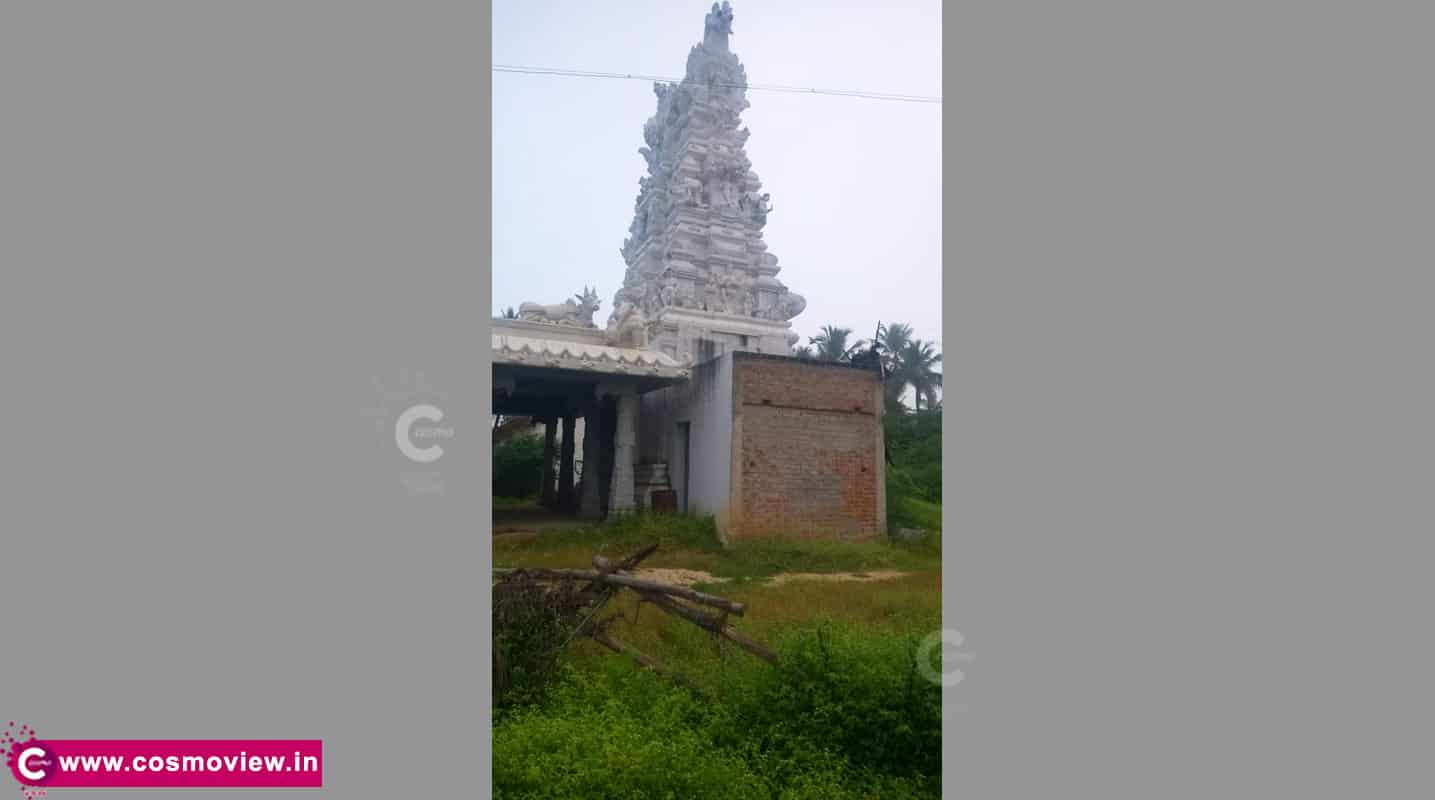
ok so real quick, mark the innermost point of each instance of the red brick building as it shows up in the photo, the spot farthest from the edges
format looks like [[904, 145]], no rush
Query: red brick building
[[773, 445]]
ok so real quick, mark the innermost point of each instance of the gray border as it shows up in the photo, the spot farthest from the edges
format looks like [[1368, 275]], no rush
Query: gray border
[[220, 225], [956, 732], [483, 471], [1189, 397]]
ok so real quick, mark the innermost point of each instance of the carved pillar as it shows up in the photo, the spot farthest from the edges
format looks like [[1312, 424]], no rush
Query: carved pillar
[[625, 452], [548, 497], [565, 466], [590, 505]]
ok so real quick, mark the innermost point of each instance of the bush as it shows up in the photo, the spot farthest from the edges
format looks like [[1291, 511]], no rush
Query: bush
[[914, 442], [518, 467], [532, 624], [584, 745], [914, 476], [671, 530], [846, 716], [900, 483], [857, 693]]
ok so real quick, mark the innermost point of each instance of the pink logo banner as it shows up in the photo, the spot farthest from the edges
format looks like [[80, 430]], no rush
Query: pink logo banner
[[167, 763]]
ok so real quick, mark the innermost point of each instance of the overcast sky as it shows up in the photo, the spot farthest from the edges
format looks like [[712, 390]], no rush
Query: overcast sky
[[855, 183]]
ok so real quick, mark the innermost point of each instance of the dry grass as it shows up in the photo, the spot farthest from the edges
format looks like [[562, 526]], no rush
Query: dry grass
[[691, 543], [888, 587], [912, 599], [910, 603]]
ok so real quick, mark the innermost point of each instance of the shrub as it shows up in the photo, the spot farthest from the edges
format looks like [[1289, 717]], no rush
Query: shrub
[[532, 624], [585, 745], [914, 442], [857, 693], [518, 467], [622, 733], [846, 716], [671, 530]]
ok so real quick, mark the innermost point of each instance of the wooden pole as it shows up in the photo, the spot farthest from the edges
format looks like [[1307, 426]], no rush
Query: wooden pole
[[709, 623], [639, 584]]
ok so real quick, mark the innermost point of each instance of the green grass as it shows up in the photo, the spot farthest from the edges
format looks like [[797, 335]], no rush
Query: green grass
[[913, 512], [846, 716], [678, 536], [692, 543], [842, 718]]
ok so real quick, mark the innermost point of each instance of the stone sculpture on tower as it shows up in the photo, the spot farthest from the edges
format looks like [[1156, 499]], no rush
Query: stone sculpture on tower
[[699, 279]]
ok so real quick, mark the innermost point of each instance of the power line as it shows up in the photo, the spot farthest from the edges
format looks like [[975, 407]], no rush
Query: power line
[[574, 73]]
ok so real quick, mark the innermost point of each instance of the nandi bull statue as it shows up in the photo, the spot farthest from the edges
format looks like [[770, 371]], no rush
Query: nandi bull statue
[[578, 314]]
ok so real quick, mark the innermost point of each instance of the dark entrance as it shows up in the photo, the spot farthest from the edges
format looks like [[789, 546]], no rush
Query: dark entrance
[[608, 423], [684, 445]]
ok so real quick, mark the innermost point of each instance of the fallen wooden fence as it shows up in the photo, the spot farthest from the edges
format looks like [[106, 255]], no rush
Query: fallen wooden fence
[[608, 578]]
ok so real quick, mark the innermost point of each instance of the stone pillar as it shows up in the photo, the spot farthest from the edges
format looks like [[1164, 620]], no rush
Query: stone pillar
[[625, 453], [548, 497], [565, 466], [590, 505]]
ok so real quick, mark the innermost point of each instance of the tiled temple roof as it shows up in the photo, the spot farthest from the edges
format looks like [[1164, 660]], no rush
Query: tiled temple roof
[[581, 356]]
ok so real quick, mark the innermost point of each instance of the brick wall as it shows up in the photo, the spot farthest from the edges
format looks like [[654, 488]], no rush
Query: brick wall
[[808, 455]]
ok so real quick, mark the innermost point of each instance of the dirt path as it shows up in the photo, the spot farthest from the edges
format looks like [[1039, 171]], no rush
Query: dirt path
[[690, 577], [861, 577], [676, 577]]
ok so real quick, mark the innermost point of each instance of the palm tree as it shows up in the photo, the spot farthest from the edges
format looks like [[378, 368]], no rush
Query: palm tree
[[892, 339], [917, 363], [909, 362], [805, 351], [831, 344], [509, 313]]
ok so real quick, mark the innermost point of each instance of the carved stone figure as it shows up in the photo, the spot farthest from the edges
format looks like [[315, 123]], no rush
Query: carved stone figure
[[717, 27], [693, 192], [711, 297], [578, 314], [729, 195], [624, 301], [623, 309], [761, 208], [731, 284], [649, 300], [629, 327]]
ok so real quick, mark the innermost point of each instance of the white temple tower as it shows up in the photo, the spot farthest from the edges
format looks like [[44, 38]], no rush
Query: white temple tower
[[700, 281]]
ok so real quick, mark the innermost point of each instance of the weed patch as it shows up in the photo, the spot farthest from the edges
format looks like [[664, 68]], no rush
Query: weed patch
[[847, 716], [692, 543]]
